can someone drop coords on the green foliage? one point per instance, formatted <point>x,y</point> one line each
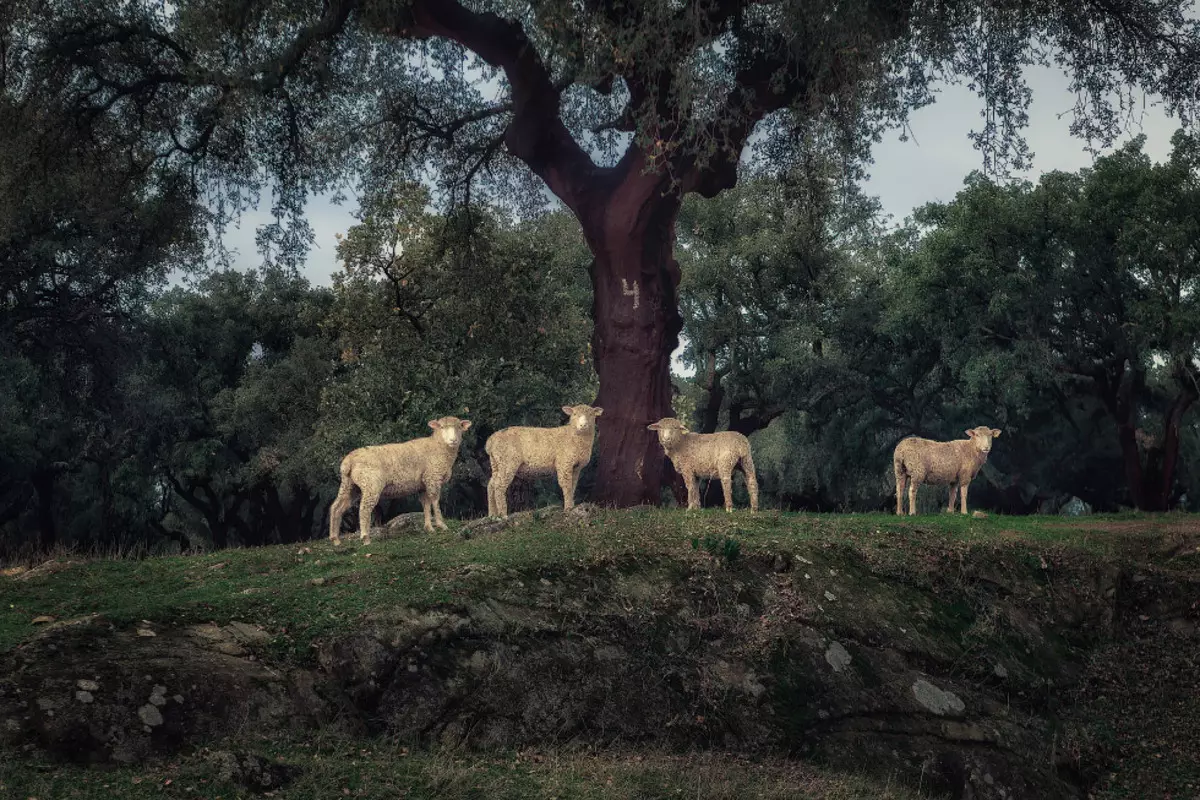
<point>725,549</point>
<point>467,314</point>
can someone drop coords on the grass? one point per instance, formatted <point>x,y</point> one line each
<point>305,592</point>
<point>274,586</point>
<point>373,769</point>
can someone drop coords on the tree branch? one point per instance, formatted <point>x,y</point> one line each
<point>536,135</point>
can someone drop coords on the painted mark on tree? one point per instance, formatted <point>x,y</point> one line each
<point>625,290</point>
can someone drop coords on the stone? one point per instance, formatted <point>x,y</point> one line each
<point>150,715</point>
<point>84,697</point>
<point>1075,508</point>
<point>87,686</point>
<point>837,656</point>
<point>936,700</point>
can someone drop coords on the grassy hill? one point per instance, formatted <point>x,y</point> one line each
<point>638,653</point>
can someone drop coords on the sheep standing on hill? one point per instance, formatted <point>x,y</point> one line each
<point>707,455</point>
<point>955,463</point>
<point>393,470</point>
<point>529,452</point>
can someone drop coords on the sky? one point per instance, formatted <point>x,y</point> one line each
<point>929,167</point>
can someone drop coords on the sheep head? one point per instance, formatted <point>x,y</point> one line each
<point>583,417</point>
<point>670,431</point>
<point>982,437</point>
<point>449,429</point>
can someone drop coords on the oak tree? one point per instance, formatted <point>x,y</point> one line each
<point>619,108</point>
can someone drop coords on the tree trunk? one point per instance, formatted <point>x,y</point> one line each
<point>636,313</point>
<point>43,484</point>
<point>1159,480</point>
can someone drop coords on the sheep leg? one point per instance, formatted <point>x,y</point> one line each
<point>425,505</point>
<point>901,488</point>
<point>566,482</point>
<point>689,479</point>
<point>963,493</point>
<point>366,508</point>
<point>912,497</point>
<point>341,504</point>
<point>435,492</point>
<point>727,487</point>
<point>498,486</point>
<point>751,481</point>
<point>953,493</point>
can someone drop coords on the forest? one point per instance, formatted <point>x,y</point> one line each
<point>212,409</point>
<point>155,398</point>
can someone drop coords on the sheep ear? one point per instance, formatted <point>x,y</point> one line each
<point>464,424</point>
<point>684,429</point>
<point>653,426</point>
<point>435,424</point>
<point>597,411</point>
<point>568,410</point>
<point>995,432</point>
<point>970,433</point>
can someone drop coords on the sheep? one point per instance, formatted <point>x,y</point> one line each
<point>529,452</point>
<point>707,455</point>
<point>393,470</point>
<point>955,463</point>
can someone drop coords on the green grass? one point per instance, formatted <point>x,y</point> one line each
<point>333,768</point>
<point>273,586</point>
<point>885,562</point>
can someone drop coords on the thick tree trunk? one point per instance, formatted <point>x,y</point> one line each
<point>635,308</point>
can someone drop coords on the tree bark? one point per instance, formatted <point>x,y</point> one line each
<point>43,484</point>
<point>635,308</point>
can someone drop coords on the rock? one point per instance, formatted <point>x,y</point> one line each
<point>1000,671</point>
<point>837,656</point>
<point>830,596</point>
<point>42,619</point>
<point>87,685</point>
<point>150,715</point>
<point>317,581</point>
<point>979,514</point>
<point>84,697</point>
<point>146,632</point>
<point>250,771</point>
<point>936,700</point>
<point>1075,508</point>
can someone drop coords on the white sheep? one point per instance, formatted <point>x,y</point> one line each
<point>955,464</point>
<point>394,470</point>
<point>707,455</point>
<point>529,452</point>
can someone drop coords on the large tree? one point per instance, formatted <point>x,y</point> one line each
<point>619,108</point>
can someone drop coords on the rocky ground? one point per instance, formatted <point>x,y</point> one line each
<point>857,656</point>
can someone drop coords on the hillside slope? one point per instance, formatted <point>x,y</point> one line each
<point>610,654</point>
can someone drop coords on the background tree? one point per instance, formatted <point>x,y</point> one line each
<point>464,314</point>
<point>620,109</point>
<point>236,369</point>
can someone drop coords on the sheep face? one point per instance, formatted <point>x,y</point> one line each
<point>450,429</point>
<point>982,437</point>
<point>583,417</point>
<point>670,431</point>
